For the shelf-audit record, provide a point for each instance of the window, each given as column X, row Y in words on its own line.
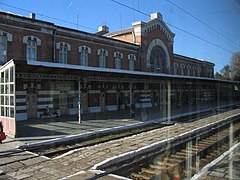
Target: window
column 175, row 68
column 131, row 59
column 31, row 47
column 102, row 57
column 182, row 69
column 194, row 71
column 189, row 70
column 4, row 38
column 199, row 71
column 83, row 54
column 118, row 56
column 3, row 49
column 63, row 51
column 158, row 60
column 31, row 50
column 63, row 55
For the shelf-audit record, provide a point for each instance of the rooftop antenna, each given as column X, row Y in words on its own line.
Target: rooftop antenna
column 77, row 17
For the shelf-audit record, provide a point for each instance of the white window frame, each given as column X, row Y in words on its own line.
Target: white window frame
column 175, row 68
column 63, row 52
column 3, row 49
column 182, row 69
column 118, row 57
column 84, row 51
column 194, row 71
column 199, row 71
column 31, row 50
column 102, row 53
column 189, row 70
column 5, row 37
column 31, row 47
column 131, row 64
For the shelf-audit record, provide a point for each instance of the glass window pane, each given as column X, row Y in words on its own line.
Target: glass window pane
column 6, row 76
column 11, row 100
column 2, row 111
column 6, row 100
column 11, row 112
column 11, row 74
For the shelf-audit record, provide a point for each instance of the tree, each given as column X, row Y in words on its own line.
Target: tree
column 235, row 67
column 218, row 76
column 225, row 72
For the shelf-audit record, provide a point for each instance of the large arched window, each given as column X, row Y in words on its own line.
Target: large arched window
column 158, row 60
column 118, row 56
column 131, row 59
column 63, row 51
column 4, row 38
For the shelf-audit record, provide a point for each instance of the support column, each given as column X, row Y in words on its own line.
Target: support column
column 79, row 101
column 164, row 100
column 130, row 100
column 169, row 103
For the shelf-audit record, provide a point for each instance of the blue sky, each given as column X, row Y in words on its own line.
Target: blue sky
column 222, row 15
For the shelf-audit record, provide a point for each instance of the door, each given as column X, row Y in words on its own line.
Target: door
column 31, row 106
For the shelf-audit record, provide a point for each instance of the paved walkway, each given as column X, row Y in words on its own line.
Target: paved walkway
column 76, row 164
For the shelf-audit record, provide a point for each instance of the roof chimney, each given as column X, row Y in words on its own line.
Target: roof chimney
column 32, row 15
column 156, row 15
column 103, row 29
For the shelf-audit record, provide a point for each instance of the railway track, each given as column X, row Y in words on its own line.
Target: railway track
column 189, row 160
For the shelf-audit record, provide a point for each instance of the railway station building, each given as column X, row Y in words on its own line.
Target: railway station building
column 43, row 64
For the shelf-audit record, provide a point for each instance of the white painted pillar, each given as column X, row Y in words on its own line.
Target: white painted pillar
column 131, row 98
column 79, row 102
column 169, row 103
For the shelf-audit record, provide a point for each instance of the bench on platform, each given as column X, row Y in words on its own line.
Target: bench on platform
column 51, row 115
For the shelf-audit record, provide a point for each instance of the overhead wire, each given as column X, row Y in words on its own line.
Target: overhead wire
column 50, row 17
column 180, row 29
column 202, row 22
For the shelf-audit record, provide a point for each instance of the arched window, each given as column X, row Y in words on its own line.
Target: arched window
column 175, row 70
column 63, row 51
column 31, row 47
column 189, row 70
column 83, row 54
column 182, row 69
column 102, row 53
column 118, row 57
column 194, row 71
column 199, row 72
column 5, row 37
column 158, row 60
column 131, row 59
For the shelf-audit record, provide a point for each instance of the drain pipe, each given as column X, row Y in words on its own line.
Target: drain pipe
column 54, row 45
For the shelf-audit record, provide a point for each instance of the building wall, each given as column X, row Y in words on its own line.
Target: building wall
column 136, row 43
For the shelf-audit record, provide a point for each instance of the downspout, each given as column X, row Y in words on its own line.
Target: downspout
column 54, row 45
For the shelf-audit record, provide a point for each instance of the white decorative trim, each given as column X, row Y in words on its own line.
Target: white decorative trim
column 44, row 99
column 94, row 109
column 21, row 116
column 25, row 39
column 21, row 107
column 22, row 93
column 115, row 54
column 99, row 51
column 84, row 47
column 111, row 107
column 9, row 36
column 63, row 44
column 20, row 100
column 42, row 106
column 157, row 42
column 132, row 57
